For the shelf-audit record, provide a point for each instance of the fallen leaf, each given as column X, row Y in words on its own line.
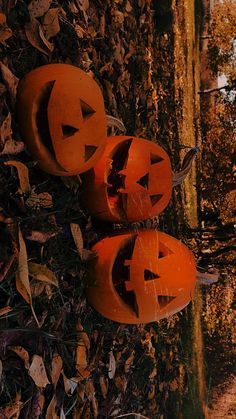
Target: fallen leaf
column 5, row 32
column 38, row 8
column 37, row 288
column 37, row 372
column 42, row 273
column 173, row 385
column 151, row 393
column 12, row 410
column 43, row 200
column 12, row 147
column 51, row 410
column 77, row 236
column 90, row 393
column 83, row 5
column 5, row 130
column 121, row 383
column 23, row 175
column 57, row 365
column 38, row 405
column 35, row 36
column 103, row 385
column 51, row 25
column 22, row 275
column 112, row 365
column 5, row 310
column 40, row 236
column 62, row 414
column 10, row 80
column 81, row 358
column 129, row 362
column 70, row 384
column 22, row 353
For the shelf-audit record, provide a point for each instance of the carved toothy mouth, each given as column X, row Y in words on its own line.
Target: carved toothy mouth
column 117, row 197
column 121, row 274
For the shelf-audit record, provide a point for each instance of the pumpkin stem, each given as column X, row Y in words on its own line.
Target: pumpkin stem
column 178, row 177
column 206, row 278
column 113, row 122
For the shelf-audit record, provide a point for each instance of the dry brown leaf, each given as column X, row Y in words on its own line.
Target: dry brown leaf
column 151, row 393
column 38, row 8
column 22, row 275
column 57, row 365
column 81, row 358
column 22, row 353
column 37, row 288
column 12, row 147
column 5, row 130
column 121, row 383
column 37, row 372
column 40, row 236
column 51, row 25
column 77, row 236
column 35, row 36
column 70, row 384
column 51, row 410
column 5, row 32
column 23, row 175
column 12, row 410
column 38, row 405
column 5, row 310
column 112, row 365
column 129, row 362
column 83, row 5
column 41, row 200
column 10, row 80
column 173, row 385
column 103, row 385
column 42, row 273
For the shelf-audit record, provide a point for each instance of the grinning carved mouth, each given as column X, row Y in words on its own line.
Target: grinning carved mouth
column 42, row 122
column 121, row 274
column 43, row 126
column 117, row 196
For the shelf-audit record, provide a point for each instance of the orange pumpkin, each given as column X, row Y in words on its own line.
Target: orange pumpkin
column 140, row 277
column 62, row 118
column 131, row 182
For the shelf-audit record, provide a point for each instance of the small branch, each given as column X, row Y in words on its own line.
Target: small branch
column 186, row 167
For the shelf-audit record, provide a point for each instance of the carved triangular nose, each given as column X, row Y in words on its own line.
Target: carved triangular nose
column 143, row 181
column 68, row 131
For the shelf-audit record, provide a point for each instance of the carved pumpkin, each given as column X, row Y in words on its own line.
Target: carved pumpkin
column 140, row 277
column 62, row 118
column 131, row 182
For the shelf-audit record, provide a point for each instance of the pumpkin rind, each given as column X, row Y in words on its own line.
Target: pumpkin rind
column 62, row 118
column 160, row 279
column 131, row 182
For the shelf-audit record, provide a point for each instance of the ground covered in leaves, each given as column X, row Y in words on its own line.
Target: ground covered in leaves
column 58, row 357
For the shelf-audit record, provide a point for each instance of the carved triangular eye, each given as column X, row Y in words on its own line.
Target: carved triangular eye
column 164, row 300
column 143, row 181
column 154, row 158
column 89, row 151
column 68, row 131
column 155, row 199
column 86, row 110
column 148, row 275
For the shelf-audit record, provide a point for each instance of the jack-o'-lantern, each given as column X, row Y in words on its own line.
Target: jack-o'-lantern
column 131, row 182
column 140, row 277
column 62, row 118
